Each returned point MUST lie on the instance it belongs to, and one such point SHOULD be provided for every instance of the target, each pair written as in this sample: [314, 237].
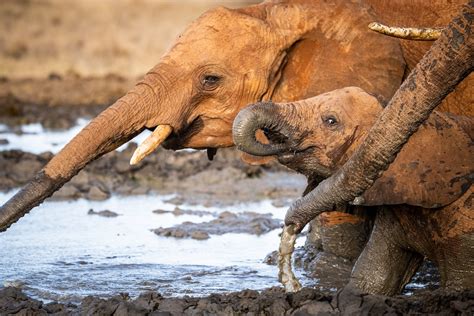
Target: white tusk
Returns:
[160, 133]
[285, 273]
[410, 33]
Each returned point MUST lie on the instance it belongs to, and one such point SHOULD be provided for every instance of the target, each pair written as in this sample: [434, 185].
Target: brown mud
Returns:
[272, 301]
[227, 222]
[57, 102]
[191, 175]
[103, 213]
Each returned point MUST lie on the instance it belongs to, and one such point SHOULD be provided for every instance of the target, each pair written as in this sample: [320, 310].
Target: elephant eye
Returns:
[330, 120]
[210, 82]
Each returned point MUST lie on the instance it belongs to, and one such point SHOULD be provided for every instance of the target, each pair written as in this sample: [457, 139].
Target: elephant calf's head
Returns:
[313, 136]
[317, 136]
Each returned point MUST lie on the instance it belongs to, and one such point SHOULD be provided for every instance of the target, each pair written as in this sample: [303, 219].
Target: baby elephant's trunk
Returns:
[259, 116]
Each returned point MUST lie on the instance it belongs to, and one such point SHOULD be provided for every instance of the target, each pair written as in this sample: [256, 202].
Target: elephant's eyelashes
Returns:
[210, 82]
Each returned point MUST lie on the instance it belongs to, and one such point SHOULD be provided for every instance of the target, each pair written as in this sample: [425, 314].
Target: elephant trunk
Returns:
[123, 120]
[260, 116]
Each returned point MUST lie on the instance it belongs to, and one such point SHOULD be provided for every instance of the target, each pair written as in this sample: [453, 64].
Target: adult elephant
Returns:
[226, 59]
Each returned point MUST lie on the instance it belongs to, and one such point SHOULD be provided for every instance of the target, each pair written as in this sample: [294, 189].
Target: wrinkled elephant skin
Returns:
[223, 61]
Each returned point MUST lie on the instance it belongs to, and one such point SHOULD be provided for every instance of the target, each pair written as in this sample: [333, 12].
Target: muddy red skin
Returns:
[317, 142]
[261, 52]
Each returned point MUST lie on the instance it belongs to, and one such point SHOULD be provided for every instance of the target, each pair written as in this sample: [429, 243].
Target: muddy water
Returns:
[59, 252]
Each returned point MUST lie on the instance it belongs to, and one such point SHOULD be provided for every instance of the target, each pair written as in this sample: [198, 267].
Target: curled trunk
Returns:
[249, 121]
[119, 123]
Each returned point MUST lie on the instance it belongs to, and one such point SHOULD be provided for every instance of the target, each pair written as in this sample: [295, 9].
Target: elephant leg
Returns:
[335, 240]
[342, 233]
[450, 241]
[457, 265]
[385, 266]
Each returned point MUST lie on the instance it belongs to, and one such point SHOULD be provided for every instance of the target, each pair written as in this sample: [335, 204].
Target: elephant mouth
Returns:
[289, 156]
[304, 161]
[293, 150]
[178, 139]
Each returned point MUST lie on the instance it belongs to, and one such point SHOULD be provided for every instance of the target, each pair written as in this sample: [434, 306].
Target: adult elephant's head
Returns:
[225, 60]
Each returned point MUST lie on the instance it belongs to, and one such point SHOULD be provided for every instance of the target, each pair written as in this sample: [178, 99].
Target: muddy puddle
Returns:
[60, 252]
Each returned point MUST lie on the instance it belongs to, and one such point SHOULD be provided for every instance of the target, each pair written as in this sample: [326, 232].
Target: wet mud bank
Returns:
[189, 174]
[227, 222]
[272, 301]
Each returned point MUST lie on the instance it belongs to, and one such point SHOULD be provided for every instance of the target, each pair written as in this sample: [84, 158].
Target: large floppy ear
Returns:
[330, 46]
[433, 169]
[339, 51]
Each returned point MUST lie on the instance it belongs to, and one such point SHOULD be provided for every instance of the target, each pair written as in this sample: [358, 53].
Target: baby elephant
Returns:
[424, 200]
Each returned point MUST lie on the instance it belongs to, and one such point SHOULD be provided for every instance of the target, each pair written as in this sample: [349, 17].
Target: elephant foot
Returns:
[353, 301]
[331, 272]
[385, 266]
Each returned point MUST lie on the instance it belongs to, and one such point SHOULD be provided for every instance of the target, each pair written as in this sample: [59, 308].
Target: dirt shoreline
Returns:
[271, 301]
[190, 175]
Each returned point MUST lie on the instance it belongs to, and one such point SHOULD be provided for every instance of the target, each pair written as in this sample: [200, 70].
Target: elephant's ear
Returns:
[340, 51]
[433, 169]
[329, 46]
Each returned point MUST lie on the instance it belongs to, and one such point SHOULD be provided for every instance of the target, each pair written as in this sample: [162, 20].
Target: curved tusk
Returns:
[287, 247]
[410, 33]
[160, 133]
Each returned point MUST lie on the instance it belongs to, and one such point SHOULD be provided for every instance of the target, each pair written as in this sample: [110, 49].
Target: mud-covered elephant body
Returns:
[424, 198]
[426, 14]
[226, 59]
[403, 235]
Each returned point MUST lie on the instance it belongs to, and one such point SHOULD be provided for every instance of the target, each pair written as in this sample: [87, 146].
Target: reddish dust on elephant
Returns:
[274, 50]
[277, 50]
